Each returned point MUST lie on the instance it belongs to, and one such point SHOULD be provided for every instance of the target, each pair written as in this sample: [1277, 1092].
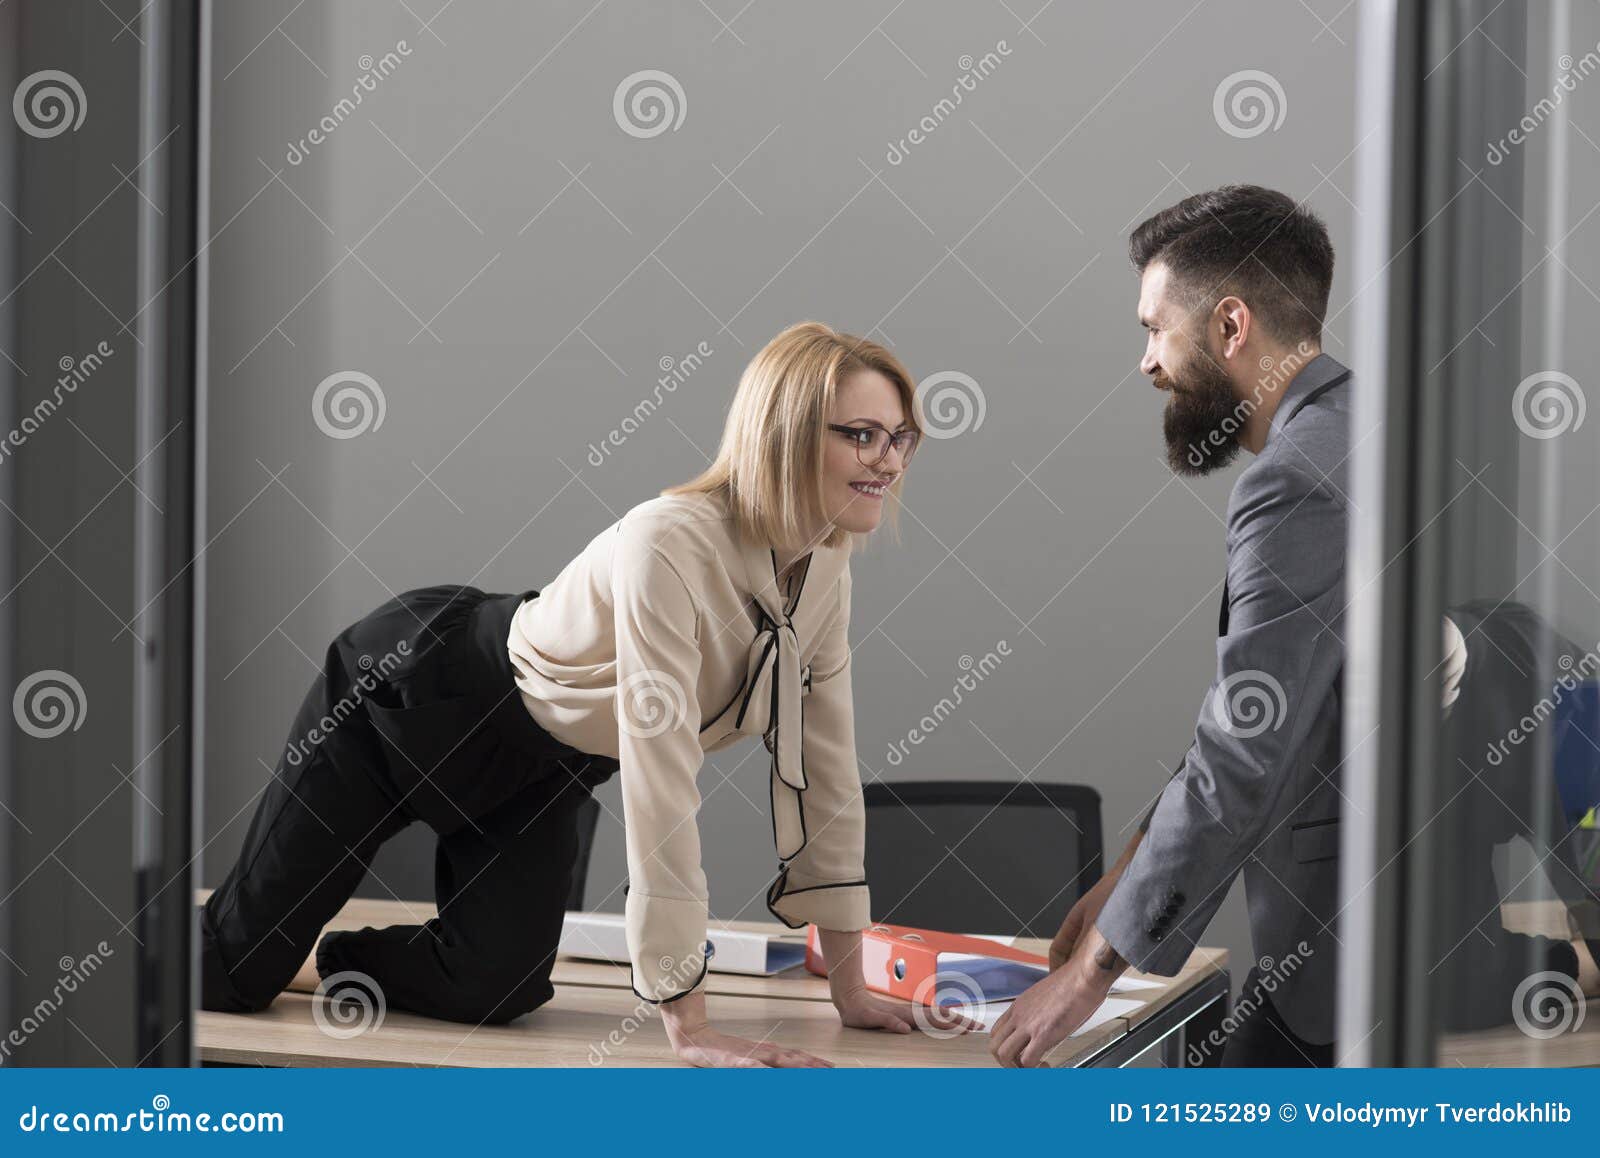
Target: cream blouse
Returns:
[666, 638]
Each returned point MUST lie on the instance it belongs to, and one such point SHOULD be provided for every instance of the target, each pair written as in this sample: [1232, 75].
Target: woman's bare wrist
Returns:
[840, 990]
[684, 1016]
[842, 952]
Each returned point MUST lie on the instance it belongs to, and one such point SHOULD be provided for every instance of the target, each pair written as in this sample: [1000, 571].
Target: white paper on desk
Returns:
[1023, 974]
[1133, 984]
[970, 979]
[1120, 985]
[985, 987]
[1110, 1009]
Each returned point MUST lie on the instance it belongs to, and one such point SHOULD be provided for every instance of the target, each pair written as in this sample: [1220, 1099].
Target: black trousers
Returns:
[1260, 1038]
[414, 717]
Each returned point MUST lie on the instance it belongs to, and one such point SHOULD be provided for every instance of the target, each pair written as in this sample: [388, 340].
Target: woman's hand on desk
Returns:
[695, 1042]
[860, 1009]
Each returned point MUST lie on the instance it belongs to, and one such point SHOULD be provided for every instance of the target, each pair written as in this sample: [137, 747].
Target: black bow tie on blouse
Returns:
[769, 707]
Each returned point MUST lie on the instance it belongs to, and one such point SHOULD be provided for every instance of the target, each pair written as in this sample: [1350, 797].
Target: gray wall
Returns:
[1551, 547]
[483, 239]
[70, 219]
[1558, 479]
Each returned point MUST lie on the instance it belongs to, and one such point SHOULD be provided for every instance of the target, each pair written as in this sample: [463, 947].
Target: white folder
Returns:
[603, 937]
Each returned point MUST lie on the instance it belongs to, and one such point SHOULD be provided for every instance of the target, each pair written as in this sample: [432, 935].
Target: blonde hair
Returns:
[768, 470]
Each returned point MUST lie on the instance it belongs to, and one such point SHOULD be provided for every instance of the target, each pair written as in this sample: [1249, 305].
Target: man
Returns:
[1233, 290]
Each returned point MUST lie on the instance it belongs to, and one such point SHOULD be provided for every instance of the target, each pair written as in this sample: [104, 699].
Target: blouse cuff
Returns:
[666, 943]
[845, 906]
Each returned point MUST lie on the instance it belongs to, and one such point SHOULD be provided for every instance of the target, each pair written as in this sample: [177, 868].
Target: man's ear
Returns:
[1234, 318]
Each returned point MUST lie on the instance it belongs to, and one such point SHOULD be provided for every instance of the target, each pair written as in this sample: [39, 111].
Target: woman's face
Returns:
[853, 493]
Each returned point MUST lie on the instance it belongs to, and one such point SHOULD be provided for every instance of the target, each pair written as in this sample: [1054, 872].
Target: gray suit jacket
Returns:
[1258, 790]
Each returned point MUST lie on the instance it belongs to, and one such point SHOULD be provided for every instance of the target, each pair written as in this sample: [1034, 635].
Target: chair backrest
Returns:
[588, 814]
[981, 856]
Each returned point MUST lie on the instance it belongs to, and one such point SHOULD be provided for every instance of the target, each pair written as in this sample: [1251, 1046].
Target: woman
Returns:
[1506, 668]
[716, 611]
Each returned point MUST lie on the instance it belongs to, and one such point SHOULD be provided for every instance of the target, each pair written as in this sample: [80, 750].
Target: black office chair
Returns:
[588, 815]
[981, 856]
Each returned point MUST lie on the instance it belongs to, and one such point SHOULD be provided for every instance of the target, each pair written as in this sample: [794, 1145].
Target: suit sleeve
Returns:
[1276, 668]
[658, 746]
[826, 883]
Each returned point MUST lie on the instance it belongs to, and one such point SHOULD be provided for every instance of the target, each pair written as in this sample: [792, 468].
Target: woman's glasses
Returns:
[873, 442]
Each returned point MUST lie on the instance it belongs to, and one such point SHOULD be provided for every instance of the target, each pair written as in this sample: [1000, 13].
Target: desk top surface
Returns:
[595, 1019]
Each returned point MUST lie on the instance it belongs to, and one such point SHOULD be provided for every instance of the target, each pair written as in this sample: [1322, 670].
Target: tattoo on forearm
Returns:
[1106, 957]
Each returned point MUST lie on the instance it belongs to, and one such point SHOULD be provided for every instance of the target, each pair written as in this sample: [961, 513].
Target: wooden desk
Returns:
[595, 1019]
[1506, 1045]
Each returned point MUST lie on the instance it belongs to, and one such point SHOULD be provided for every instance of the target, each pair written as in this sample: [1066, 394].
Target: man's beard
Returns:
[1200, 422]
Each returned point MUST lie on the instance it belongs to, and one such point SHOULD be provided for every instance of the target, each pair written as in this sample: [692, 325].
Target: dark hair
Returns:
[1253, 243]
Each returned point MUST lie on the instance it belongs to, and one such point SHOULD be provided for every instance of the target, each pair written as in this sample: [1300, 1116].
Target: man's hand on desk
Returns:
[1086, 912]
[1081, 917]
[1047, 1013]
